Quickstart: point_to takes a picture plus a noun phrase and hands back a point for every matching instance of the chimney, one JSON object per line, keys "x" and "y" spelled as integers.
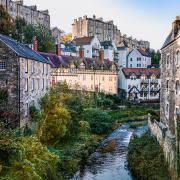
{"x": 58, "y": 49}
{"x": 81, "y": 52}
{"x": 101, "y": 55}
{"x": 176, "y": 26}
{"x": 35, "y": 43}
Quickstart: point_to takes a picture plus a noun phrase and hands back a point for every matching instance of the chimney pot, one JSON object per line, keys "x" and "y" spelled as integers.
{"x": 101, "y": 55}
{"x": 58, "y": 49}
{"x": 81, "y": 52}
{"x": 35, "y": 44}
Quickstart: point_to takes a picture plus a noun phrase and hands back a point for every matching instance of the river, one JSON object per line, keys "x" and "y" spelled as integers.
{"x": 110, "y": 165}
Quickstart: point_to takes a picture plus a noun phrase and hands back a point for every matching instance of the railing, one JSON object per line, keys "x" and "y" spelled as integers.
{"x": 144, "y": 89}
{"x": 154, "y": 81}
{"x": 154, "y": 89}
{"x": 145, "y": 81}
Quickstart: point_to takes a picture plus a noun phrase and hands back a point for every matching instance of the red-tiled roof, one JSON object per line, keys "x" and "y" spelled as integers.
{"x": 139, "y": 71}
{"x": 83, "y": 41}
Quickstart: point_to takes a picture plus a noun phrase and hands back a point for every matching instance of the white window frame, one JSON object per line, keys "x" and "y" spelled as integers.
{"x": 2, "y": 65}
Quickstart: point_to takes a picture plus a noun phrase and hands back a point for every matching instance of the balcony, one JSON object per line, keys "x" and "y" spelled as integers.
{"x": 145, "y": 89}
{"x": 146, "y": 81}
{"x": 154, "y": 81}
{"x": 154, "y": 89}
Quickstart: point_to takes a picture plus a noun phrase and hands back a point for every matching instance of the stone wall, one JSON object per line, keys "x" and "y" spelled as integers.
{"x": 168, "y": 143}
{"x": 9, "y": 82}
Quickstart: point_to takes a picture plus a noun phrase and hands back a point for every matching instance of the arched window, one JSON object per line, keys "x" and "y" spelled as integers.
{"x": 178, "y": 58}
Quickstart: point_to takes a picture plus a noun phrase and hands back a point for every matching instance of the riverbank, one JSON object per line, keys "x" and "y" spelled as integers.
{"x": 146, "y": 152}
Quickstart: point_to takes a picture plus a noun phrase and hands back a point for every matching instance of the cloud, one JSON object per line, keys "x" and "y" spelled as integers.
{"x": 128, "y": 19}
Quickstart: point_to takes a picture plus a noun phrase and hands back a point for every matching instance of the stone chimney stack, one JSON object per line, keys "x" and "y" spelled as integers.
{"x": 58, "y": 49}
{"x": 81, "y": 52}
{"x": 35, "y": 44}
{"x": 101, "y": 55}
{"x": 176, "y": 26}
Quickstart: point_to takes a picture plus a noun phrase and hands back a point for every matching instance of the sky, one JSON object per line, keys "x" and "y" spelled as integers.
{"x": 149, "y": 20}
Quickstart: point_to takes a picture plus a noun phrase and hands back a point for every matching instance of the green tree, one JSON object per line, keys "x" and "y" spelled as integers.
{"x": 20, "y": 26}
{"x": 155, "y": 56}
{"x": 7, "y": 25}
{"x": 44, "y": 37}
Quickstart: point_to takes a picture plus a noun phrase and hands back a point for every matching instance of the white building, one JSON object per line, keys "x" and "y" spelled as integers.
{"x": 91, "y": 46}
{"x": 138, "y": 58}
{"x": 110, "y": 50}
{"x": 140, "y": 83}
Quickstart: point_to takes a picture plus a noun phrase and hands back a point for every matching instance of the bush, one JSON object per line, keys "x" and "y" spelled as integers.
{"x": 146, "y": 160}
{"x": 98, "y": 119}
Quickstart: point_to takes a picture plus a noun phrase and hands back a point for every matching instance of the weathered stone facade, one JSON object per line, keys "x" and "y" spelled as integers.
{"x": 170, "y": 100}
{"x": 105, "y": 31}
{"x": 29, "y": 13}
{"x": 25, "y": 75}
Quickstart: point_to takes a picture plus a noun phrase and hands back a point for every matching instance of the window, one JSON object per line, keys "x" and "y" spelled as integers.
{"x": 26, "y": 84}
{"x": 26, "y": 66}
{"x": 84, "y": 77}
{"x": 131, "y": 59}
{"x": 38, "y": 85}
{"x": 129, "y": 86}
{"x": 167, "y": 110}
{"x": 33, "y": 67}
{"x": 167, "y": 61}
{"x": 43, "y": 69}
{"x": 47, "y": 84}
{"x": 177, "y": 87}
{"x": 167, "y": 85}
{"x": 42, "y": 84}
{"x": 3, "y": 65}
{"x": 47, "y": 72}
{"x": 178, "y": 58}
{"x": 130, "y": 65}
{"x": 110, "y": 78}
{"x": 91, "y": 77}
{"x": 33, "y": 84}
{"x": 103, "y": 78}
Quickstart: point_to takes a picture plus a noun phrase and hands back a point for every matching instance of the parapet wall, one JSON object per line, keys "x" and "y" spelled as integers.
{"x": 167, "y": 142}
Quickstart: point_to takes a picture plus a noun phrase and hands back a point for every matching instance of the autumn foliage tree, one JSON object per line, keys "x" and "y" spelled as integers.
{"x": 7, "y": 25}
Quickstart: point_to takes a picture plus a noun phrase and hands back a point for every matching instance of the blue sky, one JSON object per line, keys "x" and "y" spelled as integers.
{"x": 143, "y": 19}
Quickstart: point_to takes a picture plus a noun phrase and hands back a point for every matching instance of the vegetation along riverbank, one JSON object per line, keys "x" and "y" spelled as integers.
{"x": 64, "y": 131}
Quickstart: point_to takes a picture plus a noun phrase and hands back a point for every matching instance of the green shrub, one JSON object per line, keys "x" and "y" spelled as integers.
{"x": 98, "y": 119}
{"x": 146, "y": 160}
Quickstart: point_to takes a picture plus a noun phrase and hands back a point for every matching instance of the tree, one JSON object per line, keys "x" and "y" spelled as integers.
{"x": 155, "y": 56}
{"x": 67, "y": 38}
{"x": 7, "y": 25}
{"x": 20, "y": 26}
{"x": 44, "y": 37}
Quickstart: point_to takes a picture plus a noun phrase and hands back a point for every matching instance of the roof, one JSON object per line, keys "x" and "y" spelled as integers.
{"x": 144, "y": 52}
{"x": 168, "y": 40}
{"x": 83, "y": 41}
{"x": 66, "y": 61}
{"x": 141, "y": 71}
{"x": 22, "y": 50}
{"x": 106, "y": 44}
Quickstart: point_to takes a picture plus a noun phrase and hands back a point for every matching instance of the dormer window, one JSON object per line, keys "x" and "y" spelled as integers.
{"x": 2, "y": 66}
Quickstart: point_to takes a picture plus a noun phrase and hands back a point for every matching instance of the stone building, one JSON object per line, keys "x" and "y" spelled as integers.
{"x": 81, "y": 73}
{"x": 30, "y": 13}
{"x": 105, "y": 31}
{"x": 24, "y": 79}
{"x": 167, "y": 130}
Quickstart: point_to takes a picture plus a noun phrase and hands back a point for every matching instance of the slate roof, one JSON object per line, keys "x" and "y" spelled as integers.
{"x": 83, "y": 41}
{"x": 66, "y": 61}
{"x": 22, "y": 50}
{"x": 168, "y": 40}
{"x": 141, "y": 71}
{"x": 144, "y": 53}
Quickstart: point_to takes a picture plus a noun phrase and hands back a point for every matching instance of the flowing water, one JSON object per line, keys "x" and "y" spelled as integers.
{"x": 111, "y": 164}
